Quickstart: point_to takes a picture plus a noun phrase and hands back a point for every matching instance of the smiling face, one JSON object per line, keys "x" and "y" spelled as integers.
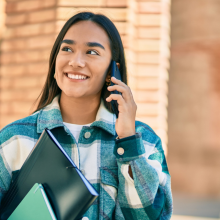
{"x": 83, "y": 60}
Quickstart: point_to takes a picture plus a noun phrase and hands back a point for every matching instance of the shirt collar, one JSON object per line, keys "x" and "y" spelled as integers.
{"x": 50, "y": 117}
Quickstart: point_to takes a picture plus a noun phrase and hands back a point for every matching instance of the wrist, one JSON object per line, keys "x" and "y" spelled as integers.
{"x": 126, "y": 135}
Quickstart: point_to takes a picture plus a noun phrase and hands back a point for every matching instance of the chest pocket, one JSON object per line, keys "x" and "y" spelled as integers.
{"x": 108, "y": 192}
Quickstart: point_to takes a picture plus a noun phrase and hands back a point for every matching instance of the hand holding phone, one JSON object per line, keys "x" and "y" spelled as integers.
{"x": 125, "y": 124}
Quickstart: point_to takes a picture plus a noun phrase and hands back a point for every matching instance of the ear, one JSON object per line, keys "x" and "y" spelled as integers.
{"x": 108, "y": 76}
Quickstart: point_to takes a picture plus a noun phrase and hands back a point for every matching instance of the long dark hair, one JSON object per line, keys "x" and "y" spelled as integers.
{"x": 51, "y": 89}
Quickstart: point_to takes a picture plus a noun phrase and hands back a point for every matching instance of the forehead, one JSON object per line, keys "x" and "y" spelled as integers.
{"x": 87, "y": 31}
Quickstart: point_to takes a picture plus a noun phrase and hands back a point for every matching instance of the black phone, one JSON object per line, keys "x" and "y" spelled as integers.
{"x": 116, "y": 73}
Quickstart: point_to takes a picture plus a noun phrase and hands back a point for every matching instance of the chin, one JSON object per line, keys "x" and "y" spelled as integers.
{"x": 73, "y": 94}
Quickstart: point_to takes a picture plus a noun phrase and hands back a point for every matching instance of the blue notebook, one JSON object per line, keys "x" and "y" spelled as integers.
{"x": 34, "y": 206}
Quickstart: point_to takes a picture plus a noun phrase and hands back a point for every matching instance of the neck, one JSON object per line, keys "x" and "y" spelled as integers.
{"x": 79, "y": 110}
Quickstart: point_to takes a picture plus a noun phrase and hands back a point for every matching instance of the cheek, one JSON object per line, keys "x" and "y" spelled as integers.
{"x": 60, "y": 62}
{"x": 101, "y": 75}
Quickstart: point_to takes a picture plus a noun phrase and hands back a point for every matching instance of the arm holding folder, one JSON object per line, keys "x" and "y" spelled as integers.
{"x": 69, "y": 192}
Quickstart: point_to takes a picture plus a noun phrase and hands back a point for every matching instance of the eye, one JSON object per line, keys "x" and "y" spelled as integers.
{"x": 67, "y": 49}
{"x": 93, "y": 52}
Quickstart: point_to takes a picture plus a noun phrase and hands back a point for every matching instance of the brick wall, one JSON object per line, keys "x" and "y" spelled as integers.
{"x": 27, "y": 41}
{"x": 31, "y": 27}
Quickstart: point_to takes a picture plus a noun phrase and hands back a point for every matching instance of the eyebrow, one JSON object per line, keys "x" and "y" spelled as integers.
{"x": 95, "y": 44}
{"x": 90, "y": 44}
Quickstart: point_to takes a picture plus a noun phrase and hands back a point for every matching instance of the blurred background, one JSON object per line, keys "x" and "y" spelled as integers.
{"x": 172, "y": 52}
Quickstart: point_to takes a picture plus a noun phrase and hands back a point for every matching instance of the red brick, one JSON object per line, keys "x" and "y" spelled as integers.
{"x": 146, "y": 109}
{"x": 40, "y": 16}
{"x": 149, "y": 32}
{"x": 132, "y": 82}
{"x": 41, "y": 42}
{"x": 23, "y": 6}
{"x": 16, "y": 107}
{"x": 30, "y": 30}
{"x": 125, "y": 41}
{"x": 77, "y": 3}
{"x": 147, "y": 83}
{"x": 26, "y": 6}
{"x": 148, "y": 20}
{"x": 147, "y": 70}
{"x": 47, "y": 4}
{"x": 148, "y": 58}
{"x": 15, "y": 19}
{"x": 13, "y": 70}
{"x": 146, "y": 96}
{"x": 25, "y": 56}
{"x": 150, "y": 7}
{"x": 115, "y": 14}
{"x": 9, "y": 95}
{"x": 142, "y": 45}
{"x": 8, "y": 45}
{"x": 122, "y": 27}
{"x": 10, "y": 7}
{"x": 25, "y": 82}
{"x": 24, "y": 69}
{"x": 29, "y": 43}
{"x": 117, "y": 3}
{"x": 130, "y": 55}
{"x": 40, "y": 68}
{"x": 59, "y": 26}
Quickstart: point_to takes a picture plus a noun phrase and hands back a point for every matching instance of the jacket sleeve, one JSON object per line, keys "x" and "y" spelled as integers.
{"x": 5, "y": 177}
{"x": 148, "y": 194}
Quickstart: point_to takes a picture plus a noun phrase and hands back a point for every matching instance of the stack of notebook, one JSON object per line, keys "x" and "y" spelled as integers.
{"x": 69, "y": 192}
{"x": 34, "y": 206}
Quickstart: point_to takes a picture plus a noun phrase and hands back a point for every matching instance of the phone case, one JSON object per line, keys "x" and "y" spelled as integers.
{"x": 116, "y": 73}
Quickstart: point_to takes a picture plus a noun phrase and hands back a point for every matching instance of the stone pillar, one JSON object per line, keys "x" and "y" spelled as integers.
{"x": 150, "y": 53}
{"x": 2, "y": 27}
{"x": 194, "y": 98}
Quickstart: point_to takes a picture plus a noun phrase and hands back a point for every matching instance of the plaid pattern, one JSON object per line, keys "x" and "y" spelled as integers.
{"x": 147, "y": 196}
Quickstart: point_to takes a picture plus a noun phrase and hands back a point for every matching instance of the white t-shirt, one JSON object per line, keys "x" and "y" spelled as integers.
{"x": 75, "y": 129}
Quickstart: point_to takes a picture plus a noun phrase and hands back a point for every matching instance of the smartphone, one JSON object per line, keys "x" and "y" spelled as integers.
{"x": 116, "y": 73}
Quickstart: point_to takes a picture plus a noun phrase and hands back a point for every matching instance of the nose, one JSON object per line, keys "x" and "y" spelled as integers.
{"x": 77, "y": 60}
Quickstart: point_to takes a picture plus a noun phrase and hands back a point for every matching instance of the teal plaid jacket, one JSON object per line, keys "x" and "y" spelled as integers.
{"x": 146, "y": 196}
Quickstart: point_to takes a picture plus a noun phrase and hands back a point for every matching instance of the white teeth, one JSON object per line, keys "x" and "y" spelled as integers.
{"x": 72, "y": 76}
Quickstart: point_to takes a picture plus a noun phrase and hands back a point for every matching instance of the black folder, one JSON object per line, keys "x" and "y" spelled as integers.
{"x": 68, "y": 191}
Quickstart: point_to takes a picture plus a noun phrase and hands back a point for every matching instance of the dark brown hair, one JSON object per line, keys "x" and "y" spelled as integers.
{"x": 51, "y": 89}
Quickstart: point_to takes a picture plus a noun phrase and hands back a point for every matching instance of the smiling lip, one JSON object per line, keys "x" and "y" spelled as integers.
{"x": 76, "y": 76}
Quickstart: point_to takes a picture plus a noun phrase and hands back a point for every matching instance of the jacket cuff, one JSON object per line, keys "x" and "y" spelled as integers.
{"x": 129, "y": 148}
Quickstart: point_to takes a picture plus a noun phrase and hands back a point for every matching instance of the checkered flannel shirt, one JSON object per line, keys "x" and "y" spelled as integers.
{"x": 146, "y": 196}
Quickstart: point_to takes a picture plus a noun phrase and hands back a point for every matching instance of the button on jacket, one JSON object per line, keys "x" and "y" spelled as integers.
{"x": 104, "y": 160}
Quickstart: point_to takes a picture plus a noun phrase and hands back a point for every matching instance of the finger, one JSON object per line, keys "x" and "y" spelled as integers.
{"x": 117, "y": 98}
{"x": 118, "y": 82}
{"x": 125, "y": 91}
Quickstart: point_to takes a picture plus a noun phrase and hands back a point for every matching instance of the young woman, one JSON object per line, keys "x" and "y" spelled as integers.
{"x": 122, "y": 158}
